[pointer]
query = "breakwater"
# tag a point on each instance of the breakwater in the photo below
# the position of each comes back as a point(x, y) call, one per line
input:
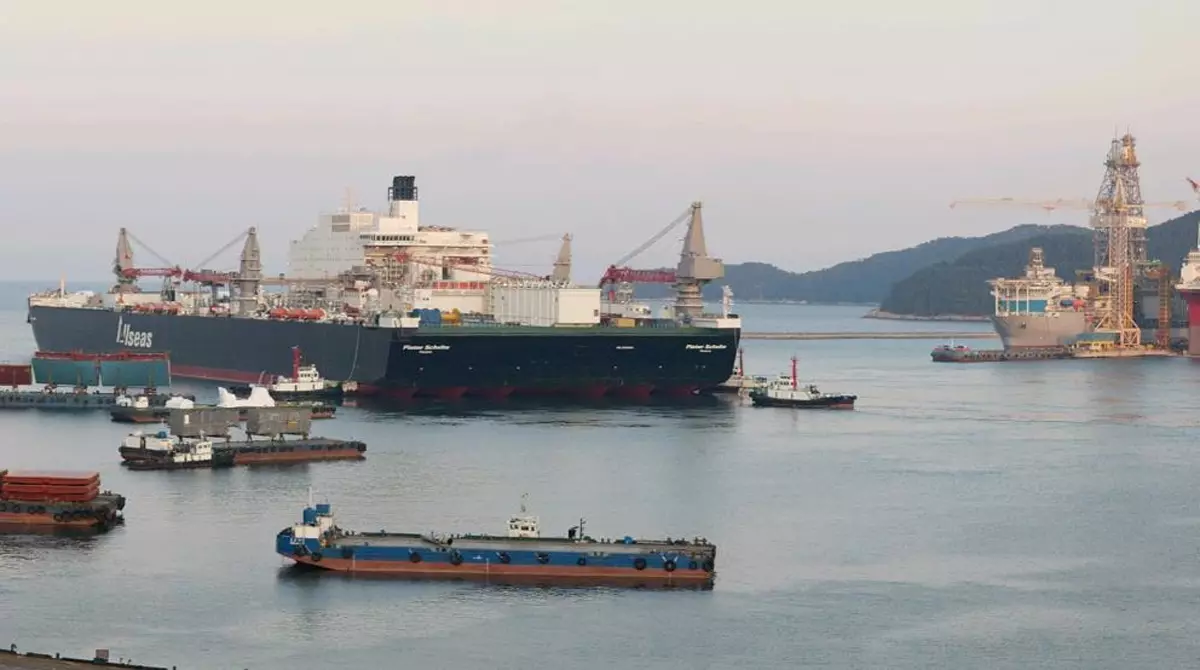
point(918, 335)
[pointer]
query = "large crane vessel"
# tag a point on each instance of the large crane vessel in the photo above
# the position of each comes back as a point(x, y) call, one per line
point(387, 305)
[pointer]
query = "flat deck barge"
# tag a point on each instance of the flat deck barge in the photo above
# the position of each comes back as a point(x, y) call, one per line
point(69, 399)
point(206, 454)
point(521, 557)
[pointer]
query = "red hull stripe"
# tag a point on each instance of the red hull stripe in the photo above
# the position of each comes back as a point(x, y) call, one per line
point(484, 571)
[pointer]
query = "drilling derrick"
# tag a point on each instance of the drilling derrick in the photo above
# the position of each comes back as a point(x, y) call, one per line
point(1120, 241)
point(1119, 202)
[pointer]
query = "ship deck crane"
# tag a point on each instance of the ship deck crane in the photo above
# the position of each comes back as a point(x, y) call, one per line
point(127, 273)
point(618, 273)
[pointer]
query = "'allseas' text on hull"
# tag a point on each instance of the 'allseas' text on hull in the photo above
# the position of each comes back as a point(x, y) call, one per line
point(385, 304)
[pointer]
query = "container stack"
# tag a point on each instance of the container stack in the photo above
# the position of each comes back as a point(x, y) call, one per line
point(49, 486)
point(202, 421)
point(275, 421)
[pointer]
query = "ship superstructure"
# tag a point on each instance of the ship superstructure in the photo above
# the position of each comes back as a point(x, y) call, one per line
point(1038, 309)
point(395, 306)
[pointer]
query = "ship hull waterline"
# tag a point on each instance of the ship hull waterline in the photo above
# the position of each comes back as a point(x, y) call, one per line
point(1056, 329)
point(444, 362)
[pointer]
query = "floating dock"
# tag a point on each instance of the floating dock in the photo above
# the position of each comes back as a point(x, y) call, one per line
point(964, 355)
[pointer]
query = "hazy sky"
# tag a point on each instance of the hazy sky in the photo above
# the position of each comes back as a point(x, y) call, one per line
point(813, 132)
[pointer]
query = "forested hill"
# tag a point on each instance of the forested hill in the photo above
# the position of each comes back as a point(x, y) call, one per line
point(865, 281)
point(960, 287)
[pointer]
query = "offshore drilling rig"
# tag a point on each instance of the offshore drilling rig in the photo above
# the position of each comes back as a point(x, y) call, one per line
point(1120, 263)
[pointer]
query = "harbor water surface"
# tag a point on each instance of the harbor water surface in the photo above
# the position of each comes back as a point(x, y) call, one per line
point(994, 515)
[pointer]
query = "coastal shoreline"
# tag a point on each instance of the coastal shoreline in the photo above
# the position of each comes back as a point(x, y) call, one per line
point(888, 316)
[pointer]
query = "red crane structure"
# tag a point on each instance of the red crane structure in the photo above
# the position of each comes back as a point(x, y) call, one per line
point(618, 273)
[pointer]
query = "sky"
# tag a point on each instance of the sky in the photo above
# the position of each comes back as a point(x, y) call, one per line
point(813, 133)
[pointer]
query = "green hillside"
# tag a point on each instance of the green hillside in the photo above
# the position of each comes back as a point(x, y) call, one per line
point(959, 287)
point(864, 281)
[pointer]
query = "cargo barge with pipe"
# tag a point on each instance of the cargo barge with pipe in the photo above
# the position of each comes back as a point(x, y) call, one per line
point(56, 500)
point(159, 452)
point(523, 556)
point(190, 442)
point(399, 308)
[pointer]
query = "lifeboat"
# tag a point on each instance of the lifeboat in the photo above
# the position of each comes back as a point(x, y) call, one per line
point(314, 314)
point(278, 313)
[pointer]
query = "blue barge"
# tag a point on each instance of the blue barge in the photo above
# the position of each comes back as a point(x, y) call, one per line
point(521, 556)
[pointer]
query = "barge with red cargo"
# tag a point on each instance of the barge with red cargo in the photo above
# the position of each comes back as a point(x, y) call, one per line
point(389, 306)
point(39, 500)
point(522, 556)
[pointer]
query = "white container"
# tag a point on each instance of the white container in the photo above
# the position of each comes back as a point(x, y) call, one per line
point(545, 304)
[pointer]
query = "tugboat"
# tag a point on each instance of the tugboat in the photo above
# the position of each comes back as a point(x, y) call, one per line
point(951, 353)
point(184, 455)
point(523, 555)
point(784, 391)
point(306, 383)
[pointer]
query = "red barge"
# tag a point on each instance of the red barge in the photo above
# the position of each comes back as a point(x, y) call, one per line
point(57, 499)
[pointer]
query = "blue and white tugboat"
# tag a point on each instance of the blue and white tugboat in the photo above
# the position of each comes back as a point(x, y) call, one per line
point(785, 391)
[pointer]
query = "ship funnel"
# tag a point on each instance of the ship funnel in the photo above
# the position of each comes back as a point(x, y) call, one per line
point(403, 188)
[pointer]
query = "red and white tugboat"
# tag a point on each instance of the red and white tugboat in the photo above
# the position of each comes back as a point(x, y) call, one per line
point(306, 383)
point(785, 391)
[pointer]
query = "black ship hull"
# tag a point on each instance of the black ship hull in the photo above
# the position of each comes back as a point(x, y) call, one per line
point(444, 362)
point(824, 402)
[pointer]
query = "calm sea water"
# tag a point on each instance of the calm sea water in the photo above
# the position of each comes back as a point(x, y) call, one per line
point(1000, 516)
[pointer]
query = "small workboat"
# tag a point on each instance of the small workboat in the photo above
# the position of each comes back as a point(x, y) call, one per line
point(785, 391)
